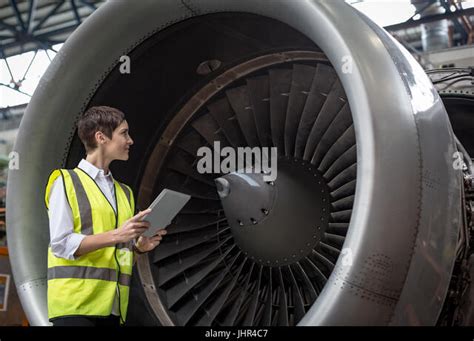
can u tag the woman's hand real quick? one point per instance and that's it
(132, 228)
(145, 244)
(129, 230)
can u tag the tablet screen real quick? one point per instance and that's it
(163, 210)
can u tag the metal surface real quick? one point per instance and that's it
(270, 229)
(400, 239)
(184, 115)
(241, 212)
(316, 246)
(33, 299)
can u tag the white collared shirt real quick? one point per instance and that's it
(64, 242)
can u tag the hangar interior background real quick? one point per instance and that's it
(439, 34)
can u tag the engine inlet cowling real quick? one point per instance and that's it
(347, 234)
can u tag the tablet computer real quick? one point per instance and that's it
(163, 209)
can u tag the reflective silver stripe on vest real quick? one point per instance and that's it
(125, 279)
(85, 210)
(85, 272)
(127, 193)
(128, 245)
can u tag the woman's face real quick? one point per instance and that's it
(118, 147)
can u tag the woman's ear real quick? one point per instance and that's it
(100, 137)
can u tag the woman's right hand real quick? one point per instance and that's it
(132, 228)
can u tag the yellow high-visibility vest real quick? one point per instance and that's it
(87, 285)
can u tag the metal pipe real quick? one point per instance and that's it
(435, 35)
(428, 19)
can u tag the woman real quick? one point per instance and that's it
(93, 228)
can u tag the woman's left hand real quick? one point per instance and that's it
(145, 244)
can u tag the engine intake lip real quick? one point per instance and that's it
(400, 166)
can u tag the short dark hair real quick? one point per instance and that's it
(99, 118)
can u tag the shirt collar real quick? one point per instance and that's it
(92, 170)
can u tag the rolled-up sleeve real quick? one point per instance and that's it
(64, 242)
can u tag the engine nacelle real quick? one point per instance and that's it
(342, 101)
